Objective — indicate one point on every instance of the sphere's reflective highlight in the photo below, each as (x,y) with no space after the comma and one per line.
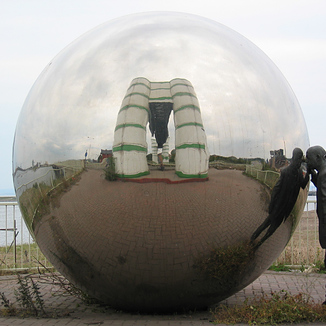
(178,234)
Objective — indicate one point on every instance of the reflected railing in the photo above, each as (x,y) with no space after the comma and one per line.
(267,177)
(67,172)
(36,191)
(18,249)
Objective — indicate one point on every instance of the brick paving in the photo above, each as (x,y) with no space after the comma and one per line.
(69,310)
(129,240)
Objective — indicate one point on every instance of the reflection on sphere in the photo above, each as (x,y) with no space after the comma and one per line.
(144,161)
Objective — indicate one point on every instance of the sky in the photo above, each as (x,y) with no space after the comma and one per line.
(32,33)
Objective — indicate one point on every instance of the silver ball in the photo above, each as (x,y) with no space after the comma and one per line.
(157,240)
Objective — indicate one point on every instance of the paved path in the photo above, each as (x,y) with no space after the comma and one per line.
(73,312)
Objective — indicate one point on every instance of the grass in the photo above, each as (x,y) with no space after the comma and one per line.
(279,268)
(278,308)
(27,256)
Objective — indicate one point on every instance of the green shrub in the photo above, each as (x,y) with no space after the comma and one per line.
(279,308)
(110,173)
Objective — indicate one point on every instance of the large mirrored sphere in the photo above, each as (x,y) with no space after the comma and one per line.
(148,158)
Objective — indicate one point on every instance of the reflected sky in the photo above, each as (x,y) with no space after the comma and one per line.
(247,106)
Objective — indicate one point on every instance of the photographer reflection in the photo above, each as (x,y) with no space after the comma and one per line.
(158,125)
(316,160)
(283,198)
(160,158)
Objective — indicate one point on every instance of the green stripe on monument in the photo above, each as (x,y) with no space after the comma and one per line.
(160,98)
(187,107)
(184,94)
(137,93)
(128,148)
(184,146)
(179,84)
(190,124)
(129,125)
(183,175)
(139,84)
(133,106)
(130,176)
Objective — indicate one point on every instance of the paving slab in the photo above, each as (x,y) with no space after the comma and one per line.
(66,309)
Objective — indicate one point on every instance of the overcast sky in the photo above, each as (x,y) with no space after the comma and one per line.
(291,33)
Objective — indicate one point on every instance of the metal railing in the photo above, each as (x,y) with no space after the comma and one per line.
(18,249)
(304,248)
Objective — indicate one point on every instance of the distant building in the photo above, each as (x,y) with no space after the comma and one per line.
(278,159)
(105,153)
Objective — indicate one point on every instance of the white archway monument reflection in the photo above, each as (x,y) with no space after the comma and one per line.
(139,106)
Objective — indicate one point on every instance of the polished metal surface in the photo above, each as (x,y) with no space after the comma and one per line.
(162,237)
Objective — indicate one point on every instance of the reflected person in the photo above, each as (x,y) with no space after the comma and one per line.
(316,160)
(160,158)
(284,196)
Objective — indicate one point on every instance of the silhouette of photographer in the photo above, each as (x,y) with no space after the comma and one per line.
(283,198)
(316,160)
